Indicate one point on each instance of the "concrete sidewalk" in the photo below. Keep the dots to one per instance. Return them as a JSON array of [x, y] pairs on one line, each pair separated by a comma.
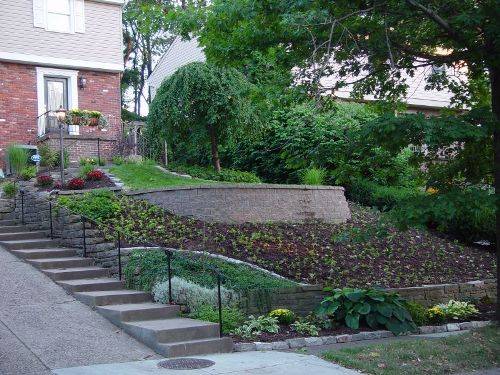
[[43, 328], [248, 363]]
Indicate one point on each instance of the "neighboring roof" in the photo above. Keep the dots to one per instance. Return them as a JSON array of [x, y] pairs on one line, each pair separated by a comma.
[[184, 52], [180, 53]]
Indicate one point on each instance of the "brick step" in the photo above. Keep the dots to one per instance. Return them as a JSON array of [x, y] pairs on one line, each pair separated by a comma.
[[22, 236], [66, 262], [91, 285], [12, 228], [168, 331], [44, 253], [196, 347], [138, 312], [112, 297], [29, 244], [57, 274]]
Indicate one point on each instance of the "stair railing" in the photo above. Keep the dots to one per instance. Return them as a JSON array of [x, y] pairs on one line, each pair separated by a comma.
[[120, 235]]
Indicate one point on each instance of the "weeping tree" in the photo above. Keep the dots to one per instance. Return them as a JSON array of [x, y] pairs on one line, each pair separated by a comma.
[[200, 104]]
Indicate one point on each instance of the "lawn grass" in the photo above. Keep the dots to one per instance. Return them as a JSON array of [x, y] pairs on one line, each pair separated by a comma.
[[147, 176], [456, 354]]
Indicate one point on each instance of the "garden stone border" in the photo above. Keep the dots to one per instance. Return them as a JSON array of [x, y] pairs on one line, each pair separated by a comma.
[[303, 342]]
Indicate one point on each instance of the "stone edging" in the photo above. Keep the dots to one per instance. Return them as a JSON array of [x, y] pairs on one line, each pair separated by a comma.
[[303, 342]]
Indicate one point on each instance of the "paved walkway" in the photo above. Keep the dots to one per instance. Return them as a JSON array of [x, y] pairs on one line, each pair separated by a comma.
[[249, 363], [43, 328]]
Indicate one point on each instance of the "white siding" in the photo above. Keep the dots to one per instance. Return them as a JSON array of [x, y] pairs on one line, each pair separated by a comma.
[[179, 53], [100, 43]]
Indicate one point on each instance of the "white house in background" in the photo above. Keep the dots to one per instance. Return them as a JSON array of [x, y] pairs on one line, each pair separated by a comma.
[[183, 52], [180, 53]]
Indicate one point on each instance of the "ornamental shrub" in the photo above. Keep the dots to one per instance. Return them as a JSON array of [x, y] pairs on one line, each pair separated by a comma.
[[374, 307], [95, 175], [305, 328], [284, 316], [75, 184], [9, 189], [44, 180], [28, 172], [418, 313], [436, 315]]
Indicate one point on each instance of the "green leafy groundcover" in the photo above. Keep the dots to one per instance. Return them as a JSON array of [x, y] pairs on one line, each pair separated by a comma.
[[373, 307], [208, 173], [145, 267]]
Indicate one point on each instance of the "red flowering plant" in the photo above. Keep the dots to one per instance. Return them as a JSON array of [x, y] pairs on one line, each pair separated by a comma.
[[44, 180], [76, 184], [95, 175]]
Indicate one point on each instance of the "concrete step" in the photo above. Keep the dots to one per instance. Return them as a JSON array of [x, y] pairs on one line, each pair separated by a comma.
[[138, 312], [12, 228], [22, 236], [196, 347], [29, 244], [57, 274], [112, 297], [91, 285], [66, 262], [44, 253], [168, 331], [7, 222]]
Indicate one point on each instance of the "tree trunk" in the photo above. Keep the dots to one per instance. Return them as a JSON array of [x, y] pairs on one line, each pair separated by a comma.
[[215, 148], [495, 106]]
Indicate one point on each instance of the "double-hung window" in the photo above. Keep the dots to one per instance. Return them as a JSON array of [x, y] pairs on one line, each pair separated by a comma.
[[63, 16]]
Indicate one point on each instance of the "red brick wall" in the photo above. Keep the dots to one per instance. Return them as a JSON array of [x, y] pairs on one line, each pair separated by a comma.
[[19, 105]]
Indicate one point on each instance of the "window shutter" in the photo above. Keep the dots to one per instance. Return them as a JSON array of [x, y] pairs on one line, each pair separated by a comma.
[[79, 16], [39, 13]]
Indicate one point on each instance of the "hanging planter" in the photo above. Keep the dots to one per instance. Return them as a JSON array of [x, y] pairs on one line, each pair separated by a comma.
[[78, 117]]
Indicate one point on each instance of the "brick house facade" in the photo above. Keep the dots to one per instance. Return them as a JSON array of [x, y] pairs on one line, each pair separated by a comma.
[[82, 56]]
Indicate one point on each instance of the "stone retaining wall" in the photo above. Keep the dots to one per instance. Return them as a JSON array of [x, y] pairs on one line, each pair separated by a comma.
[[241, 203], [304, 299]]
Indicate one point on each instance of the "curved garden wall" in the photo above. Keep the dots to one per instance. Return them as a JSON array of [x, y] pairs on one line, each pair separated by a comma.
[[240, 203]]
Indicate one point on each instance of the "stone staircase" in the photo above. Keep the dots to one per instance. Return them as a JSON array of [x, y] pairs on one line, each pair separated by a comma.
[[156, 325]]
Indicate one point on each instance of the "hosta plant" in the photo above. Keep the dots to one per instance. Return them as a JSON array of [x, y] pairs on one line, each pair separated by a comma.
[[255, 326], [373, 307], [284, 316], [458, 310], [305, 328]]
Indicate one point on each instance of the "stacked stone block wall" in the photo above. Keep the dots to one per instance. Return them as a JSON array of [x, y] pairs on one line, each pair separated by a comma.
[[252, 203]]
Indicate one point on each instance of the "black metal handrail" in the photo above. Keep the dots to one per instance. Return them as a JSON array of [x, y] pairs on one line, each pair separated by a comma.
[[121, 235]]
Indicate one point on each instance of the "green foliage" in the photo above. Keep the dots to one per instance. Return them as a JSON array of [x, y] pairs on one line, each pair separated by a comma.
[[117, 160], [374, 307], [305, 328], [436, 315], [98, 205], [232, 317], [146, 267], [383, 197], [88, 161], [418, 313], [199, 107], [284, 316], [468, 214], [208, 173], [85, 169], [18, 157], [313, 176], [255, 326], [50, 157], [458, 310], [9, 189], [28, 172]]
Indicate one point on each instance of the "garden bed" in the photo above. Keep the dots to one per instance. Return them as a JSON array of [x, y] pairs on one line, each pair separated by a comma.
[[366, 251]]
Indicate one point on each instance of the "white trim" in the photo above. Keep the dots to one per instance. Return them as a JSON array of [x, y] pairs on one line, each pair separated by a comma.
[[71, 75], [116, 2], [59, 62]]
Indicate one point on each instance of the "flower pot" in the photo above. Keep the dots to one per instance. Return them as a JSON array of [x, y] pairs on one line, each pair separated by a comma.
[[93, 121]]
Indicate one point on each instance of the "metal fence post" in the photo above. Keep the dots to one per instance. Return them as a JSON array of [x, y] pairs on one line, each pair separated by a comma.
[[119, 256], [22, 207], [84, 221], [219, 300], [168, 253], [51, 224], [99, 151]]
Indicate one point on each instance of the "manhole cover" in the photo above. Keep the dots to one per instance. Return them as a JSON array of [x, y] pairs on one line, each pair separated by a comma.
[[185, 363]]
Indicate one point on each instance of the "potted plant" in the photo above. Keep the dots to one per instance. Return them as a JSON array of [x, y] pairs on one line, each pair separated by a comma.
[[81, 117]]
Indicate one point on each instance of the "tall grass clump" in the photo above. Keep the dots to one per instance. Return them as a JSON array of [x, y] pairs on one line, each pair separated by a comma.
[[18, 157], [313, 176]]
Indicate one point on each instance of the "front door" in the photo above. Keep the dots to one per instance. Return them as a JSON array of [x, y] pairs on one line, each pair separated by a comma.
[[56, 97]]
